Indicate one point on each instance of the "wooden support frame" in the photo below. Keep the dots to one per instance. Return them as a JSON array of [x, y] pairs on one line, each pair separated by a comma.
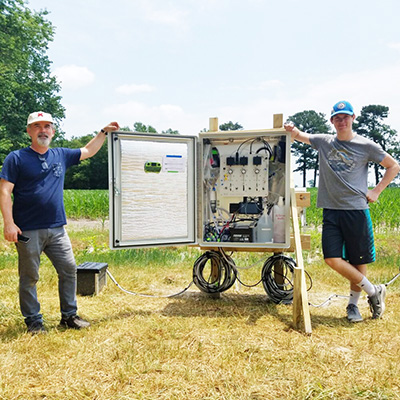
[[300, 298]]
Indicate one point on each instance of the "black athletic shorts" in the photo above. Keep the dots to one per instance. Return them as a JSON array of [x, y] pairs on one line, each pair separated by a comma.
[[348, 234]]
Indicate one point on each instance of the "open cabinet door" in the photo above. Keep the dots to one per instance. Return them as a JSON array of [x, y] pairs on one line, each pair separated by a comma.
[[152, 189]]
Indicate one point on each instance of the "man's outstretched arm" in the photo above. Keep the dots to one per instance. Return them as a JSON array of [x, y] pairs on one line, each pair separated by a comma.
[[95, 144]]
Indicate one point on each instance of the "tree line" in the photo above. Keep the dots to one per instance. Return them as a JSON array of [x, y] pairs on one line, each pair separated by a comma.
[[26, 85]]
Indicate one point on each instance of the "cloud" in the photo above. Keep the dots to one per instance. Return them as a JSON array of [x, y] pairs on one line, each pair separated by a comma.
[[74, 77], [134, 88]]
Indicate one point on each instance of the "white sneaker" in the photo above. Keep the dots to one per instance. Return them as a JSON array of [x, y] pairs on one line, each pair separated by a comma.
[[377, 301]]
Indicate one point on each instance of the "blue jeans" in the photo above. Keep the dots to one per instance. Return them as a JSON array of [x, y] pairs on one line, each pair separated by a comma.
[[55, 243]]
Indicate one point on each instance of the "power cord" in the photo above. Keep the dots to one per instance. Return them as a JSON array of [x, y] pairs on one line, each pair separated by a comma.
[[282, 266], [278, 292], [223, 273], [346, 297], [224, 277], [147, 295], [237, 267]]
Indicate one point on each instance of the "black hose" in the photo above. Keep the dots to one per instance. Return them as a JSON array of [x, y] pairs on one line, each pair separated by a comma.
[[221, 275], [278, 266]]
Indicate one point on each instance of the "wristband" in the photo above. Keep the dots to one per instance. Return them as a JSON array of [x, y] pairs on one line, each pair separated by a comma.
[[103, 131]]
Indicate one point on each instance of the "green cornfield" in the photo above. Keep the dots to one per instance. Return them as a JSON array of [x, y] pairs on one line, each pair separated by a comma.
[[385, 214], [90, 204]]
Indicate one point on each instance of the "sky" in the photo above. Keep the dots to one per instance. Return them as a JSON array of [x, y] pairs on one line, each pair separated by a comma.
[[176, 63]]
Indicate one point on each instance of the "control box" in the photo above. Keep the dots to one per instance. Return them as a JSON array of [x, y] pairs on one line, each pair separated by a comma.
[[244, 175], [217, 189]]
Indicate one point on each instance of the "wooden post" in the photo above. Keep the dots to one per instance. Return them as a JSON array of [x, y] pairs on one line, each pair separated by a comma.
[[278, 272], [278, 121], [300, 300], [213, 124]]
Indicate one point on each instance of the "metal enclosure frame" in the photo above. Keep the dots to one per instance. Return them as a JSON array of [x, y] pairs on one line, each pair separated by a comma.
[[115, 143]]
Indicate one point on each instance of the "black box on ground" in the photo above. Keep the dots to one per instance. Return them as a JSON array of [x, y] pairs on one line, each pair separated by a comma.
[[91, 278]]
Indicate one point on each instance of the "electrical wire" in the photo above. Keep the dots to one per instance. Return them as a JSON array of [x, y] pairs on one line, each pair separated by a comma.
[[328, 300], [242, 268], [222, 280], [346, 297], [228, 260], [146, 295], [245, 284], [392, 280], [279, 293]]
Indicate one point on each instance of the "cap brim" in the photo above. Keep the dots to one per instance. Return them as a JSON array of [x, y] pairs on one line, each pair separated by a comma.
[[342, 112]]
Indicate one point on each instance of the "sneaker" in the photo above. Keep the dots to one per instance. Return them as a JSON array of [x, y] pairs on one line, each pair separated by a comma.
[[36, 327], [75, 322], [377, 301], [353, 313]]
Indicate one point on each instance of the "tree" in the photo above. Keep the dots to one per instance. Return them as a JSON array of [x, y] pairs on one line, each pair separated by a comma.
[[170, 131], [26, 84], [307, 158], [370, 124], [139, 127], [91, 173], [230, 126]]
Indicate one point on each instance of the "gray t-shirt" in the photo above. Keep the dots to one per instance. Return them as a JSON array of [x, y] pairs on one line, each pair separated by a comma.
[[343, 170]]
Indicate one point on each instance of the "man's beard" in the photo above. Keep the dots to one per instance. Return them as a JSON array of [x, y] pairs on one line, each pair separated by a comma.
[[44, 141]]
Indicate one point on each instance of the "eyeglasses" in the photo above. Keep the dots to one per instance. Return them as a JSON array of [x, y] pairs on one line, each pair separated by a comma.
[[44, 163]]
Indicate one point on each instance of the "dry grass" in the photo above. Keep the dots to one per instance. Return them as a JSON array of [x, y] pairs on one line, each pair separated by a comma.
[[240, 346]]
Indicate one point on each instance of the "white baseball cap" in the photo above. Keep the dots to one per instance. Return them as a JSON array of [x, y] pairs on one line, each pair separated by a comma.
[[39, 116]]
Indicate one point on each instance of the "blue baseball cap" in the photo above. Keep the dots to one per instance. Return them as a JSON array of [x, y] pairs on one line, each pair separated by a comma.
[[342, 107]]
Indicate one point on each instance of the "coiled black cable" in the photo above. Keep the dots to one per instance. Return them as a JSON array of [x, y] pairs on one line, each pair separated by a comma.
[[278, 265], [222, 280]]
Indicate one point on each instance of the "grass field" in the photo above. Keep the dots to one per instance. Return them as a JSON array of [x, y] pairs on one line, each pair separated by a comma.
[[240, 346]]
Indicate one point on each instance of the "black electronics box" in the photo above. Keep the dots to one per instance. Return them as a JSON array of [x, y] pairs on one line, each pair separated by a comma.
[[242, 233], [91, 278]]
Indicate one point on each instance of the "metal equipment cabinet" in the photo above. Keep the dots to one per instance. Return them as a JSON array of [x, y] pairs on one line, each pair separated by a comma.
[[210, 190]]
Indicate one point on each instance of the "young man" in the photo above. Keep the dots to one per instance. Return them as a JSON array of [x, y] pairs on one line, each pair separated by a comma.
[[347, 236], [35, 218]]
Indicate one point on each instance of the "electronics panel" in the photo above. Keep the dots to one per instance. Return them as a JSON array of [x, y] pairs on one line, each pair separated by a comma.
[[245, 188]]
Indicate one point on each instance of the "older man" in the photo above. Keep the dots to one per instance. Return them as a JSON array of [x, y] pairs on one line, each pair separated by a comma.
[[34, 219]]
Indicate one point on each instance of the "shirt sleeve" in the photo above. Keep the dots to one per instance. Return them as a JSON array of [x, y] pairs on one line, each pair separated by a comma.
[[316, 139], [10, 168], [376, 153], [72, 156]]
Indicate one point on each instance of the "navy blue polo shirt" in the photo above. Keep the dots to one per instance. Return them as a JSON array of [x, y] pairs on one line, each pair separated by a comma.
[[38, 185]]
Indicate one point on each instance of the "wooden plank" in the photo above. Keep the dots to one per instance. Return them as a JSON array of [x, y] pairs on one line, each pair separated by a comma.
[[305, 242], [303, 199], [213, 124], [300, 299], [278, 121]]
